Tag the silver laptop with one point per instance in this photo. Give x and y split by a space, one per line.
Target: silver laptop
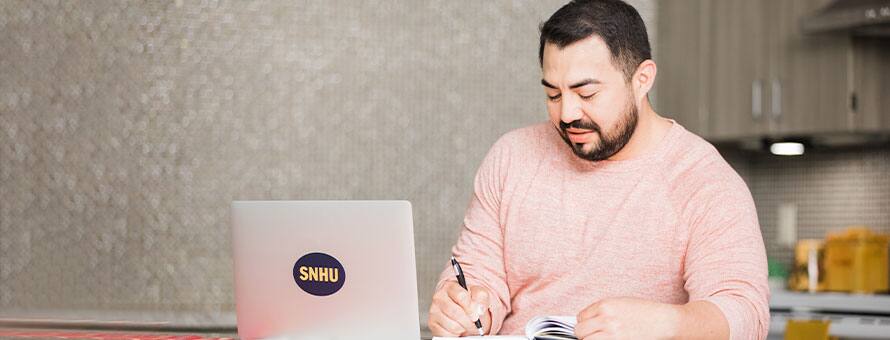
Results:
325 270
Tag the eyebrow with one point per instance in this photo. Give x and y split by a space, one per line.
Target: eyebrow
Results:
587 81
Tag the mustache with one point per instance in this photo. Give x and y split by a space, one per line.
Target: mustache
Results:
579 124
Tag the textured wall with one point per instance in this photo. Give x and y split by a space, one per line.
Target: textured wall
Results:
127 127
832 190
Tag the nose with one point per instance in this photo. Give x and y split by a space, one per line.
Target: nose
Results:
570 110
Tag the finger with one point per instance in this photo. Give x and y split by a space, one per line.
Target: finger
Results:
444 325
479 301
479 295
598 336
588 328
485 319
589 312
438 330
459 295
458 314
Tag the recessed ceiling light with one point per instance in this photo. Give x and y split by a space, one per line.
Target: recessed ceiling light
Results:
786 149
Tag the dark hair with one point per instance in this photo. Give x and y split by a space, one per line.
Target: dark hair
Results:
616 22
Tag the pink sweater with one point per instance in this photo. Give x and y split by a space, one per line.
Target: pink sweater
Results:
550 233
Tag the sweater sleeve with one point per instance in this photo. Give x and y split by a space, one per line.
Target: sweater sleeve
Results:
725 261
479 247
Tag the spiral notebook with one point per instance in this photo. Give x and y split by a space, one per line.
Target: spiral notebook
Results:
539 328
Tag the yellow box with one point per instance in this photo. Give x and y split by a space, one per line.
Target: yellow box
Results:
807 330
856 260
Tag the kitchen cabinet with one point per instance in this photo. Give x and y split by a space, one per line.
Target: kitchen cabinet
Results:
738 68
809 77
711 66
743 69
872 87
682 89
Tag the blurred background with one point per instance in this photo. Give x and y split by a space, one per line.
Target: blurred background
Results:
128 127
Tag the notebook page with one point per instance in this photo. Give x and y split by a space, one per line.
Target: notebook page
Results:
500 337
551 328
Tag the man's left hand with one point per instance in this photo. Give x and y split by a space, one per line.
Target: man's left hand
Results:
628 318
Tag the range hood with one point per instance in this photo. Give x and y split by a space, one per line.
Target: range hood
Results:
855 17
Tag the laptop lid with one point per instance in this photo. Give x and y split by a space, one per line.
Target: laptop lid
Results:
325 270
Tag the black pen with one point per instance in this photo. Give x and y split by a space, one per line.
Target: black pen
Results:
463 283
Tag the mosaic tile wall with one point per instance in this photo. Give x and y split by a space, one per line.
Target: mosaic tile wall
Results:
832 189
127 127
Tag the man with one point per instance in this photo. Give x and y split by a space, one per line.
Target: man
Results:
609 212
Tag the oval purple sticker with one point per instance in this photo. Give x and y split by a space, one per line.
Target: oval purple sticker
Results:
319 274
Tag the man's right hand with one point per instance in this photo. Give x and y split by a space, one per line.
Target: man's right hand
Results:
454 310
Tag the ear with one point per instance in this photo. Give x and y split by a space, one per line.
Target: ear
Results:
644 78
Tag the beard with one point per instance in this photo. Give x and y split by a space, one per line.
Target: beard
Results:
608 143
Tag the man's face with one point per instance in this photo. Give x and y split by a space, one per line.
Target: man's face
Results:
588 99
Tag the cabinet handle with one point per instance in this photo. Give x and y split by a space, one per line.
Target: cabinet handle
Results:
756 99
776 98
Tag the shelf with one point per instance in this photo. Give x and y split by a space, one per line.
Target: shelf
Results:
831 302
845 326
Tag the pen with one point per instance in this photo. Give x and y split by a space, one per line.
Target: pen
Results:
463 283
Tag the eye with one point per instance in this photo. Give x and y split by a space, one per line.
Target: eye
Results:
554 98
587 97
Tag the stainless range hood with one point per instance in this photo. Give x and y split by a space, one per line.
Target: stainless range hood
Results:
856 17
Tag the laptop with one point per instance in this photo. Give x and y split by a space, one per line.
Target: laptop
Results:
325 270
